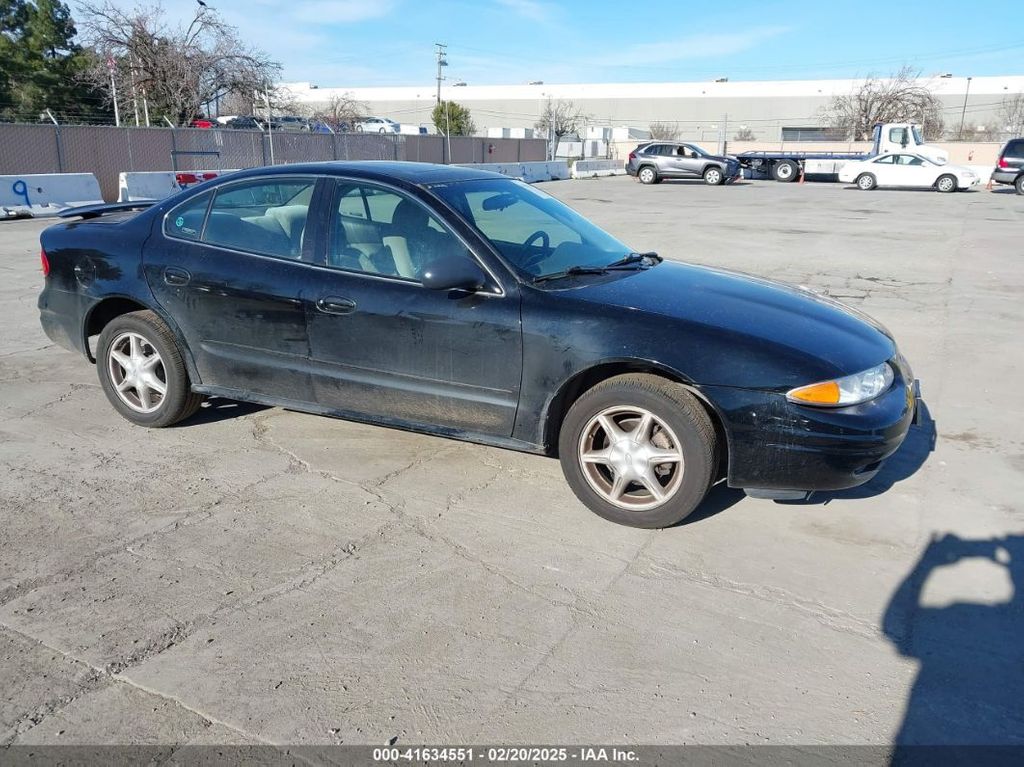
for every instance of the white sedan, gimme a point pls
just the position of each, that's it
(377, 125)
(907, 170)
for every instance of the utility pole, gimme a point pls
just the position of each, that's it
(963, 112)
(442, 61)
(111, 66)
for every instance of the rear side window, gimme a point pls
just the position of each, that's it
(1014, 148)
(267, 217)
(186, 221)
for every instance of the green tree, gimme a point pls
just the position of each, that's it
(452, 119)
(43, 64)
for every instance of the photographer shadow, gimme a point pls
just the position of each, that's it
(969, 690)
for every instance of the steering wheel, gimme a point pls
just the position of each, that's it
(540, 234)
(536, 258)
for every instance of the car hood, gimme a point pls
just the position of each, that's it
(780, 334)
(721, 158)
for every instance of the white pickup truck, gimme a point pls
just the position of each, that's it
(785, 165)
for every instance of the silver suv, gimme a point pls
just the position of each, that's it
(657, 160)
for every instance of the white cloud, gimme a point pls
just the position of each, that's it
(531, 10)
(341, 11)
(688, 48)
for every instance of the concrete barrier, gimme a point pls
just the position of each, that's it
(596, 168)
(530, 172)
(155, 185)
(46, 194)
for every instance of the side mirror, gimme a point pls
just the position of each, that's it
(453, 273)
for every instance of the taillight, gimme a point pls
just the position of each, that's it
(632, 155)
(1003, 163)
(186, 178)
(46, 263)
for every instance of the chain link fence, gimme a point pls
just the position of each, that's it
(108, 151)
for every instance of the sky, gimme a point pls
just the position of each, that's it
(364, 43)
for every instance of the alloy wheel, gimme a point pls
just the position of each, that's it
(631, 458)
(137, 372)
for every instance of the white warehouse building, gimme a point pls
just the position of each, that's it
(771, 110)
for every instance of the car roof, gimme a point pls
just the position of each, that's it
(417, 173)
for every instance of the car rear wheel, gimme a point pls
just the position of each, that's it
(142, 371)
(647, 175)
(866, 182)
(638, 450)
(785, 171)
(713, 176)
(1019, 184)
(946, 184)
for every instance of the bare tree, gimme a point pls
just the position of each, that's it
(563, 118)
(662, 131)
(744, 134)
(342, 112)
(1011, 115)
(174, 69)
(903, 97)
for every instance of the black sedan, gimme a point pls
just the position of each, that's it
(469, 305)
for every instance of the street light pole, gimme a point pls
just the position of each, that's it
(963, 112)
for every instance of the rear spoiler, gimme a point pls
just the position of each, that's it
(95, 211)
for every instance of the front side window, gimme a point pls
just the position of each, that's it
(379, 231)
(909, 159)
(535, 233)
(266, 217)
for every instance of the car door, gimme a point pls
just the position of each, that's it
(914, 171)
(688, 161)
(883, 169)
(231, 268)
(384, 346)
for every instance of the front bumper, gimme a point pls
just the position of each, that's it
(777, 445)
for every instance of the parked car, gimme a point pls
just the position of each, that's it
(377, 125)
(292, 123)
(203, 122)
(655, 161)
(246, 122)
(909, 171)
(1010, 165)
(465, 304)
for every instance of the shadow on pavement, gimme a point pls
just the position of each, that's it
(966, 632)
(217, 409)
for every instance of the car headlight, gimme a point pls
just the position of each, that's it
(849, 390)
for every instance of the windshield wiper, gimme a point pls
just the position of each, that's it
(647, 259)
(629, 261)
(572, 270)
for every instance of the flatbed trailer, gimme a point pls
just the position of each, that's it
(788, 166)
(783, 165)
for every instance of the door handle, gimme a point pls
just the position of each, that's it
(176, 276)
(335, 305)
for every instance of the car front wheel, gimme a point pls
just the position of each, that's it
(946, 184)
(638, 450)
(142, 372)
(713, 176)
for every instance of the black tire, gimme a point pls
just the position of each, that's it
(647, 174)
(714, 176)
(785, 171)
(681, 422)
(866, 182)
(178, 402)
(382, 131)
(946, 183)
(1019, 184)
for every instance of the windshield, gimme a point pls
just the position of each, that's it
(535, 233)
